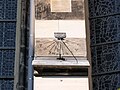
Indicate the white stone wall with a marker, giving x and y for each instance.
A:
(61, 83)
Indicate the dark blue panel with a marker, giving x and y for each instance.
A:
(92, 32)
(106, 58)
(6, 84)
(1, 60)
(106, 29)
(9, 34)
(103, 7)
(118, 6)
(106, 82)
(1, 34)
(7, 62)
(2, 2)
(10, 9)
(94, 61)
(91, 8)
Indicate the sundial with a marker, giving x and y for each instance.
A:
(48, 47)
(60, 46)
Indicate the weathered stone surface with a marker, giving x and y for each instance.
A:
(49, 47)
(43, 11)
(60, 5)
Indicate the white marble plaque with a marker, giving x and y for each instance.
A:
(60, 5)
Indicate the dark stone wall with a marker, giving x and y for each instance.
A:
(104, 18)
(24, 43)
